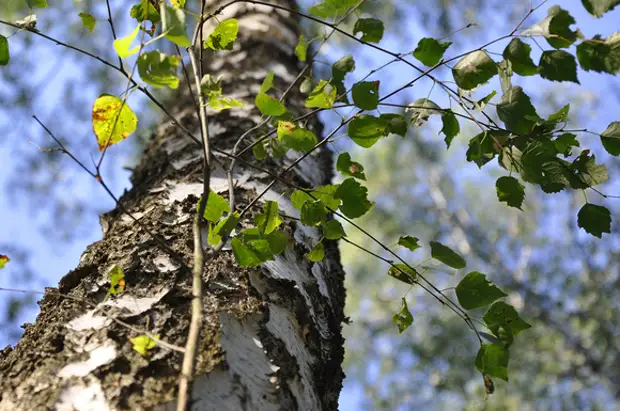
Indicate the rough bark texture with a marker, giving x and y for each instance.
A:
(271, 337)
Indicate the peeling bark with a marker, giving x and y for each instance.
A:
(271, 338)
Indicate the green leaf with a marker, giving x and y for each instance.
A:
(343, 66)
(430, 51)
(158, 69)
(326, 9)
(267, 82)
(450, 128)
(564, 142)
(344, 4)
(223, 228)
(560, 116)
(296, 138)
(518, 53)
(484, 146)
(299, 198)
(143, 343)
(108, 112)
(584, 172)
(268, 221)
(269, 106)
(555, 28)
(117, 280)
(259, 151)
(404, 273)
(223, 36)
(317, 253)
(396, 124)
(447, 256)
(559, 26)
(475, 291)
(354, 198)
(251, 248)
(492, 359)
(339, 70)
(88, 21)
(346, 166)
(366, 94)
(504, 69)
(333, 230)
(122, 44)
(409, 242)
(5, 56)
(37, 3)
(510, 159)
(371, 29)
(510, 191)
(174, 26)
(482, 103)
(558, 65)
(516, 111)
(474, 69)
(365, 130)
(327, 194)
(216, 206)
(600, 55)
(145, 11)
(610, 138)
(246, 256)
(323, 96)
(421, 110)
(539, 165)
(278, 241)
(211, 87)
(403, 319)
(504, 315)
(219, 103)
(595, 219)
(599, 7)
(301, 48)
(313, 212)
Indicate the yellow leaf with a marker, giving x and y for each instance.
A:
(121, 45)
(143, 343)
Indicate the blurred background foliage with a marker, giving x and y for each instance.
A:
(563, 281)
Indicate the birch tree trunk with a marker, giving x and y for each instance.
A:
(271, 336)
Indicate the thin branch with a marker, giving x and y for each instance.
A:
(191, 345)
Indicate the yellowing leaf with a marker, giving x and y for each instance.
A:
(117, 280)
(122, 44)
(3, 260)
(113, 121)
